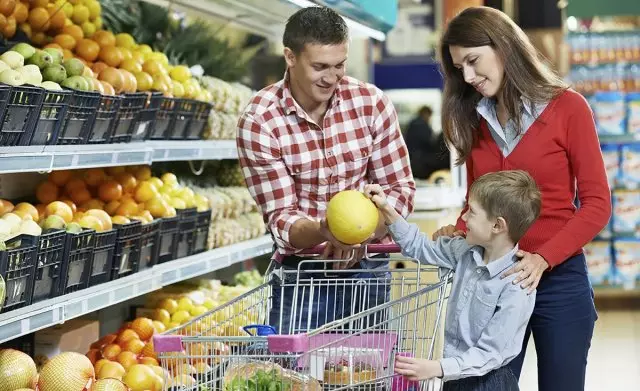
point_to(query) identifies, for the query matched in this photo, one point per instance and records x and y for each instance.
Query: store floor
(614, 357)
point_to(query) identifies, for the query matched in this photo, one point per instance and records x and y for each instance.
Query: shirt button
(329, 153)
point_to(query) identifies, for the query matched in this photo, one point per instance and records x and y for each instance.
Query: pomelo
(351, 217)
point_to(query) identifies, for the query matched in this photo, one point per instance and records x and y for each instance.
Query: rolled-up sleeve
(268, 179)
(501, 340)
(389, 165)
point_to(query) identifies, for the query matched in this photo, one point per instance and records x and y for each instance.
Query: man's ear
(500, 225)
(290, 57)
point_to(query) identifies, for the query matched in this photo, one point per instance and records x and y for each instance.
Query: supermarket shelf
(59, 157)
(55, 311)
(434, 198)
(610, 292)
(619, 139)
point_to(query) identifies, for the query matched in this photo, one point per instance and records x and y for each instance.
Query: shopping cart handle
(376, 248)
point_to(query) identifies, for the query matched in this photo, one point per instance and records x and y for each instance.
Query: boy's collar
(495, 267)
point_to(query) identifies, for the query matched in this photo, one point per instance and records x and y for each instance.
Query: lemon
(94, 8)
(180, 317)
(198, 310)
(180, 73)
(185, 304)
(351, 217)
(80, 14)
(88, 29)
(144, 49)
(125, 40)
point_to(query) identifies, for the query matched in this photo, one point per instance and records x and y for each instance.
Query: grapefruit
(351, 217)
(109, 385)
(68, 371)
(17, 370)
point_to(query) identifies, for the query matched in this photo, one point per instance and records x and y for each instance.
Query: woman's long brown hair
(526, 75)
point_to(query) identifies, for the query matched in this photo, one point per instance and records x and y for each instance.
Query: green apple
(76, 83)
(31, 74)
(73, 66)
(11, 77)
(54, 73)
(42, 59)
(54, 222)
(24, 49)
(56, 54)
(51, 86)
(13, 59)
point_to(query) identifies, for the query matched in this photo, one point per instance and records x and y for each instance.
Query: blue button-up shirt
(486, 315)
(508, 137)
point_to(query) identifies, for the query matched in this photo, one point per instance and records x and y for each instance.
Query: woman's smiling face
(480, 67)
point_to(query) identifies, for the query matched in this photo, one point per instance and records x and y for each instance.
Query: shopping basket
(357, 351)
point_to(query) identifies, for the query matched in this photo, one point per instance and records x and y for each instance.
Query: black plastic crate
(182, 118)
(169, 230)
(147, 117)
(127, 117)
(201, 112)
(126, 258)
(203, 223)
(187, 232)
(149, 244)
(79, 248)
(103, 254)
(53, 113)
(17, 269)
(164, 119)
(49, 265)
(19, 111)
(105, 119)
(81, 115)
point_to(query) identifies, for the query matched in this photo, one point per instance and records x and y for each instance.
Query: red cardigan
(561, 151)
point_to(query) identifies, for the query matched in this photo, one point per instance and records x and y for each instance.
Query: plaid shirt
(293, 166)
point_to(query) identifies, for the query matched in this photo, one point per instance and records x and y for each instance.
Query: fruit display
(230, 99)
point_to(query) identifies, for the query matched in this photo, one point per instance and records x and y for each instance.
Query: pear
(76, 83)
(56, 54)
(13, 59)
(73, 66)
(31, 74)
(4, 66)
(54, 222)
(54, 73)
(24, 49)
(74, 228)
(42, 59)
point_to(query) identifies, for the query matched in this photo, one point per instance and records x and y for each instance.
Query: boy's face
(479, 226)
(318, 69)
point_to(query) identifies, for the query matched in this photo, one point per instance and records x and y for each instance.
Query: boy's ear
(500, 225)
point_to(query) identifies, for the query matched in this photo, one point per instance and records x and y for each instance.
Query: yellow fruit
(352, 218)
(180, 73)
(66, 371)
(180, 317)
(140, 378)
(125, 40)
(185, 304)
(152, 67)
(162, 315)
(209, 303)
(98, 22)
(145, 81)
(198, 310)
(88, 29)
(109, 384)
(111, 369)
(94, 8)
(170, 305)
(178, 203)
(131, 65)
(160, 58)
(80, 14)
(178, 90)
(17, 369)
(145, 192)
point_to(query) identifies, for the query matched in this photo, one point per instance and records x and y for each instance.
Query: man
(306, 138)
(428, 154)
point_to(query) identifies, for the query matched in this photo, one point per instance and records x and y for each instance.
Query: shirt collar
(497, 266)
(291, 106)
(486, 106)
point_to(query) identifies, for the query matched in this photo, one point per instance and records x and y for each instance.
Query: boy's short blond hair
(512, 195)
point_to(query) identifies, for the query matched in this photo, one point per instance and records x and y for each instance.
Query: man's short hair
(314, 25)
(425, 110)
(512, 195)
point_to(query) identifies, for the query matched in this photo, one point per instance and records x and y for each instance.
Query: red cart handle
(375, 248)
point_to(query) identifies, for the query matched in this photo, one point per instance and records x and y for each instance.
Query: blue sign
(377, 14)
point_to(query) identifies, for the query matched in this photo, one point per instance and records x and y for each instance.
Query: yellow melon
(17, 370)
(351, 217)
(67, 371)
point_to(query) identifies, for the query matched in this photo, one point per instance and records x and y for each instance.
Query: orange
(110, 55)
(3, 21)
(7, 7)
(61, 177)
(112, 207)
(110, 191)
(104, 38)
(127, 359)
(128, 208)
(145, 81)
(94, 176)
(128, 182)
(131, 65)
(65, 41)
(80, 196)
(92, 204)
(9, 30)
(75, 31)
(39, 3)
(53, 45)
(143, 327)
(113, 77)
(101, 215)
(39, 19)
(111, 351)
(21, 12)
(143, 173)
(56, 17)
(67, 54)
(74, 184)
(153, 68)
(108, 88)
(87, 49)
(73, 206)
(133, 345)
(98, 67)
(47, 192)
(115, 171)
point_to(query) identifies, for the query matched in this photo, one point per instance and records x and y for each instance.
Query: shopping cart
(329, 343)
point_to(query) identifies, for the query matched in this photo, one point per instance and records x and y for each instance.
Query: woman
(503, 108)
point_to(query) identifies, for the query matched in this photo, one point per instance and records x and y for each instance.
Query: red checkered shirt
(293, 167)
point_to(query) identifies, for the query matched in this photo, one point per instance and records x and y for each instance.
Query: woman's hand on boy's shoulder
(530, 268)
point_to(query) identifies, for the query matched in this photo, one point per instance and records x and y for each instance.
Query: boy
(486, 315)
